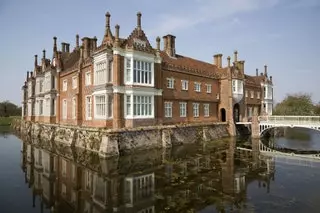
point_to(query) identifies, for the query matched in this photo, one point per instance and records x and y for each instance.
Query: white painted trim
(102, 92)
(86, 109)
(137, 90)
(131, 116)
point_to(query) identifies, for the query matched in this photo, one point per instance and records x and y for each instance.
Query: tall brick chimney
(139, 20)
(35, 61)
(67, 46)
(218, 60)
(77, 41)
(266, 70)
(86, 47)
(158, 43)
(169, 45)
(54, 45)
(257, 72)
(117, 27)
(63, 47)
(235, 56)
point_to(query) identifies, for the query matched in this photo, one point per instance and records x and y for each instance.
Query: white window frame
(246, 93)
(64, 109)
(41, 108)
(108, 106)
(206, 110)
(209, 88)
(184, 84)
(65, 85)
(168, 109)
(132, 57)
(197, 86)
(196, 110)
(74, 108)
(134, 105)
(100, 72)
(170, 83)
(258, 95)
(88, 80)
(251, 94)
(237, 86)
(74, 82)
(89, 107)
(183, 109)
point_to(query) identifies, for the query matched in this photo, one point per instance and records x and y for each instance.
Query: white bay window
(100, 73)
(103, 106)
(139, 106)
(139, 72)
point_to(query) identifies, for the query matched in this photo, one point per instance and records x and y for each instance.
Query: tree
(296, 104)
(317, 109)
(9, 109)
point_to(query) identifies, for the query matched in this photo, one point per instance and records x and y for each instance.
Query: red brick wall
(68, 95)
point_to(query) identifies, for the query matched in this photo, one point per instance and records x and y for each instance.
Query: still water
(220, 176)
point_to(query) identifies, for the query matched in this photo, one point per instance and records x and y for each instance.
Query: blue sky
(284, 34)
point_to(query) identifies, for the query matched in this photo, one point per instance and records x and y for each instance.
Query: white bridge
(268, 122)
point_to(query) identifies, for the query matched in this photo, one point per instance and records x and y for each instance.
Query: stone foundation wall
(113, 142)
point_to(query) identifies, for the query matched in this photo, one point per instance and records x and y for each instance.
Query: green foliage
(9, 109)
(317, 109)
(296, 104)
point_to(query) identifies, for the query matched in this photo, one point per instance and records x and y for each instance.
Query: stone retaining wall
(113, 142)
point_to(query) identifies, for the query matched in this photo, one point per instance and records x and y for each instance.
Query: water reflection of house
(67, 180)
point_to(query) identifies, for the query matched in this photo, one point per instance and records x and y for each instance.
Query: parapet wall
(112, 142)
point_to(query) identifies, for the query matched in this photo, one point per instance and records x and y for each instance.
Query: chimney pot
(271, 78)
(228, 58)
(35, 60)
(44, 54)
(67, 45)
(27, 75)
(54, 44)
(31, 74)
(139, 20)
(257, 71)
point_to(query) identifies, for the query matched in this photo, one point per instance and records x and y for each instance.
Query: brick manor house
(125, 82)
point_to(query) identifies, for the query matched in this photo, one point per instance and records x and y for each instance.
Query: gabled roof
(189, 65)
(131, 41)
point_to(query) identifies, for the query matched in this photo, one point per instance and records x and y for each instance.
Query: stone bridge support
(255, 128)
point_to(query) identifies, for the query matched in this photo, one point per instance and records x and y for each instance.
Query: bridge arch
(263, 128)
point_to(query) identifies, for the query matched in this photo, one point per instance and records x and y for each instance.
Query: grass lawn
(6, 121)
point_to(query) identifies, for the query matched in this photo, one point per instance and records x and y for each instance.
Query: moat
(226, 175)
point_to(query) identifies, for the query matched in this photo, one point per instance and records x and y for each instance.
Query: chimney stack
(265, 70)
(218, 60)
(67, 46)
(27, 75)
(169, 44)
(86, 47)
(54, 44)
(158, 43)
(139, 20)
(117, 27)
(95, 43)
(108, 20)
(43, 54)
(35, 61)
(77, 41)
(229, 59)
(31, 74)
(257, 72)
(270, 78)
(215, 59)
(235, 56)
(63, 47)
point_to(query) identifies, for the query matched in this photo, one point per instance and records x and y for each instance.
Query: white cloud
(203, 11)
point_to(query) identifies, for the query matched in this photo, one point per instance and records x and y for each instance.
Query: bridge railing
(297, 120)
